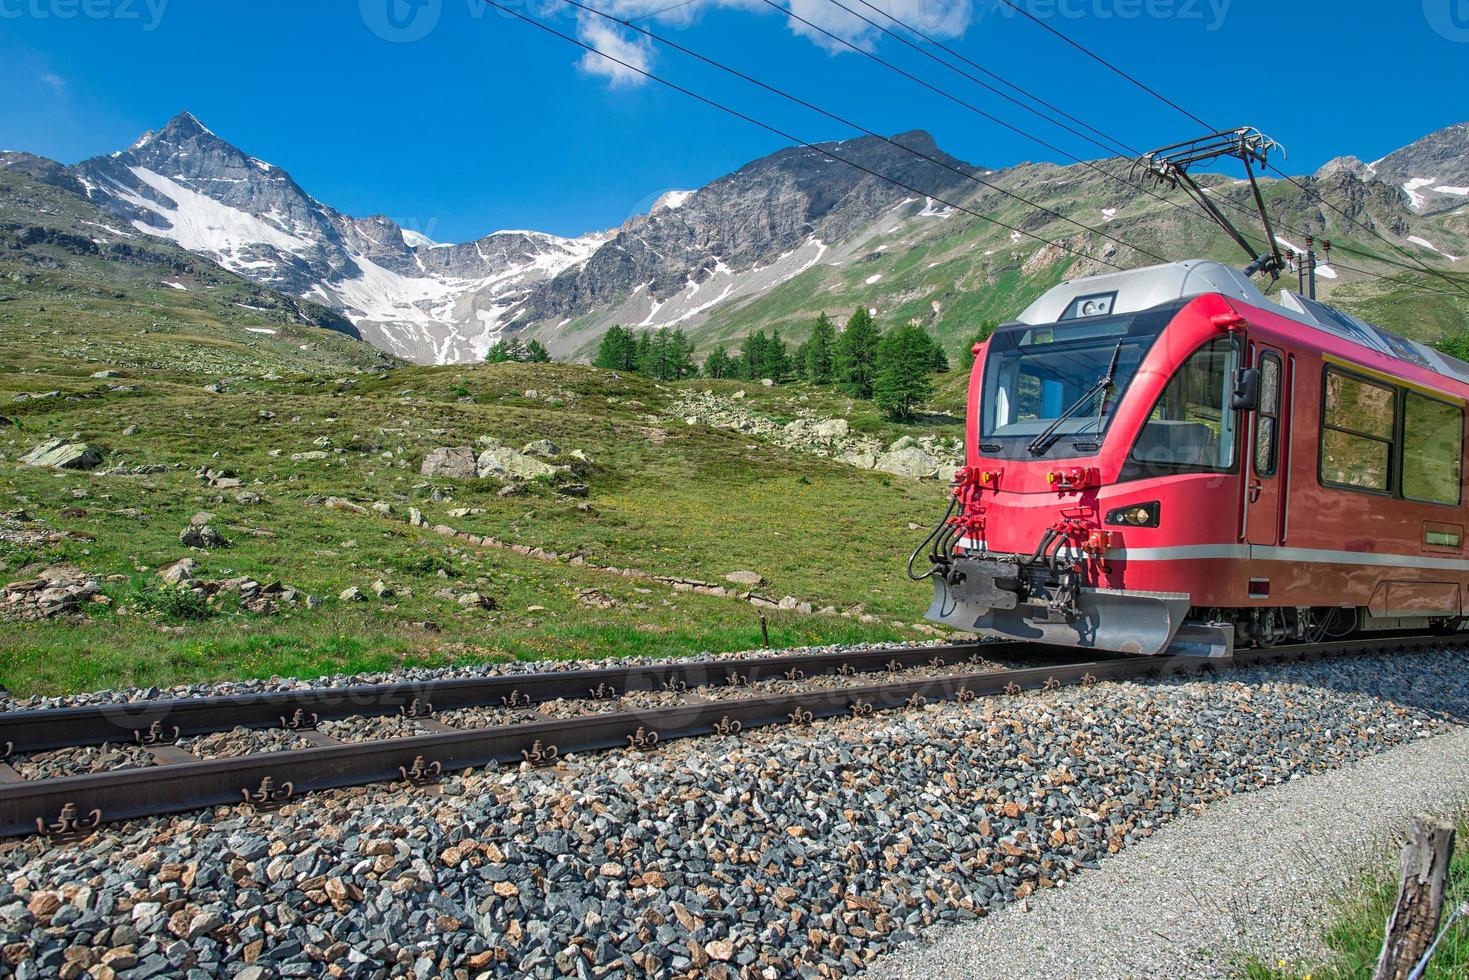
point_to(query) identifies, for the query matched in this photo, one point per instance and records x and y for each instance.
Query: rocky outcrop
(455, 463)
(64, 454)
(55, 592)
(923, 458)
(1433, 172)
(505, 464)
(499, 462)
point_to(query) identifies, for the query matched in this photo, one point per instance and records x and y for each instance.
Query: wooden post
(764, 631)
(1415, 918)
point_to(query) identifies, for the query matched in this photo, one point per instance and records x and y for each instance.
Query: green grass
(1354, 934)
(665, 497)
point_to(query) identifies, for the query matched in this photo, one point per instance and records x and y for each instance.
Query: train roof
(1135, 290)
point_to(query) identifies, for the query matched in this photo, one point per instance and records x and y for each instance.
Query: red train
(1163, 460)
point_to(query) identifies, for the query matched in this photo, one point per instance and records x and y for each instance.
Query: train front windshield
(1045, 392)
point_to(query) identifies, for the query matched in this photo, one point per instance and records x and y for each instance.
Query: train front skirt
(1138, 623)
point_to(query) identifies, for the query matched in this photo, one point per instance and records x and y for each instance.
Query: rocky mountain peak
(1433, 171)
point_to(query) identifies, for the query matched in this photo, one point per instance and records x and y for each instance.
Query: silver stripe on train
(1195, 552)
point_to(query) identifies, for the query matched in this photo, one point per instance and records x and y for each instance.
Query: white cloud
(937, 18)
(57, 83)
(633, 50)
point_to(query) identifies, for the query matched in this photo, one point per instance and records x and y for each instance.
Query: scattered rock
(910, 461)
(476, 600)
(202, 536)
(55, 591)
(456, 463)
(596, 599)
(353, 594)
(747, 579)
(345, 506)
(179, 572)
(505, 464)
(64, 454)
(543, 448)
(106, 374)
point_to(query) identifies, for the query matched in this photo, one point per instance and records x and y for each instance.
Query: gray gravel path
(1250, 876)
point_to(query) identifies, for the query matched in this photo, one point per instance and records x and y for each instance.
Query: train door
(1265, 469)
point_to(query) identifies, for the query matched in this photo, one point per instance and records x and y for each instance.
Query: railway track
(708, 697)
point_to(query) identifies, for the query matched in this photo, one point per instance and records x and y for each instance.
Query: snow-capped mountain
(417, 298)
(771, 245)
(1433, 171)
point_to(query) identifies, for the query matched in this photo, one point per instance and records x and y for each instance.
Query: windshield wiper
(1043, 441)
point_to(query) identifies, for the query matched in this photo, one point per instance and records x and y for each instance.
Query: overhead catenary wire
(1167, 101)
(825, 151)
(859, 127)
(1416, 266)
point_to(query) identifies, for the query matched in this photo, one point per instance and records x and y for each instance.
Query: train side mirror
(1246, 397)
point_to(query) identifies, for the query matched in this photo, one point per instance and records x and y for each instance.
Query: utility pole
(1311, 266)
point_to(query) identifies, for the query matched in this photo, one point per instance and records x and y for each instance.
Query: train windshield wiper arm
(1048, 435)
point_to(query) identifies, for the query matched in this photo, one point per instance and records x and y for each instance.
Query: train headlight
(1135, 515)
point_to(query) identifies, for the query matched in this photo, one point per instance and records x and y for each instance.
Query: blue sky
(457, 121)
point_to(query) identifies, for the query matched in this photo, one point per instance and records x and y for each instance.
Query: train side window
(1267, 418)
(1358, 419)
(1433, 449)
(1192, 427)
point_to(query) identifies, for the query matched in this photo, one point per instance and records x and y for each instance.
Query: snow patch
(1456, 191)
(414, 239)
(108, 228)
(1109, 213)
(202, 224)
(264, 330)
(1411, 188)
(873, 279)
(932, 209)
(1432, 247)
(175, 285)
(671, 201)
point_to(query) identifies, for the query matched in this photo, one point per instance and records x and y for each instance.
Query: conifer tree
(856, 355)
(902, 379)
(819, 352)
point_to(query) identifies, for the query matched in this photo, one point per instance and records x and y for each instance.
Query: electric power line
(859, 127)
(1182, 208)
(782, 133)
(1167, 101)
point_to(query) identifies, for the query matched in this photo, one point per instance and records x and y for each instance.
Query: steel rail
(37, 730)
(70, 807)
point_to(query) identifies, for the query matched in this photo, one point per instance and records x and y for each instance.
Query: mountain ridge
(772, 243)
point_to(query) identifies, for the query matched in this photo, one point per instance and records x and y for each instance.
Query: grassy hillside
(950, 272)
(80, 294)
(662, 496)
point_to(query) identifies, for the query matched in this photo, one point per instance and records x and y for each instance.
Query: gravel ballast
(1254, 876)
(784, 852)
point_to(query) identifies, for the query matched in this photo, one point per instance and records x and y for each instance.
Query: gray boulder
(910, 461)
(832, 430)
(747, 579)
(201, 536)
(179, 572)
(455, 462)
(544, 448)
(65, 455)
(505, 464)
